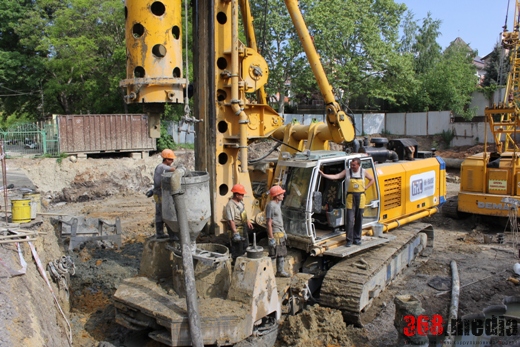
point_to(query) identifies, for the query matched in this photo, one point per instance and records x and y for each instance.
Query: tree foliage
(281, 48)
(88, 58)
(452, 81)
(496, 68)
(21, 71)
(68, 56)
(445, 80)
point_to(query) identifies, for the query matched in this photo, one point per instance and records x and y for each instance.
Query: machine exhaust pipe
(187, 258)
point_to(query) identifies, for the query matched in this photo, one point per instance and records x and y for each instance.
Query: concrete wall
(479, 101)
(470, 133)
(373, 123)
(358, 123)
(410, 124)
(395, 123)
(437, 121)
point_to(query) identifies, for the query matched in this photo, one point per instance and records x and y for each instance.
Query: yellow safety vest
(356, 185)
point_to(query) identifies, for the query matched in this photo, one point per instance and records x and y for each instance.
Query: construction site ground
(108, 188)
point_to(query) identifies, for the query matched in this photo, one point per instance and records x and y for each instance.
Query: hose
(454, 306)
(265, 156)
(59, 269)
(392, 155)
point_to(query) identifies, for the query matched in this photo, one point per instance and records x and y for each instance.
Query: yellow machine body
(483, 188)
(154, 52)
(409, 188)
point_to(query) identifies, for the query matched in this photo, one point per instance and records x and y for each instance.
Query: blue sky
(478, 22)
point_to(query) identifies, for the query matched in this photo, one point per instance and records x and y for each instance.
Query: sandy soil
(110, 188)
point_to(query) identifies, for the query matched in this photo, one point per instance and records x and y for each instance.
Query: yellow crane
(490, 178)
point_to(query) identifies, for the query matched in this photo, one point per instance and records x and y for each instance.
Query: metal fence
(30, 140)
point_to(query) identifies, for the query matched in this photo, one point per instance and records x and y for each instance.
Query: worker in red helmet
(275, 230)
(237, 221)
(166, 166)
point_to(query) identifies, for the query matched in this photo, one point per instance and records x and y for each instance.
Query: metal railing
(30, 140)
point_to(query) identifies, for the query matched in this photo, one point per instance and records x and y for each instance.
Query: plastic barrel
(36, 203)
(21, 210)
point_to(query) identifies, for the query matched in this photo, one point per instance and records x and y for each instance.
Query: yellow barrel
(36, 203)
(21, 210)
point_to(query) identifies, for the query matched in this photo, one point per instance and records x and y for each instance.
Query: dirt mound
(317, 326)
(91, 179)
(261, 148)
(29, 315)
(463, 151)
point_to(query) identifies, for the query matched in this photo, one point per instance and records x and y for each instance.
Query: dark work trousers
(239, 248)
(354, 219)
(159, 223)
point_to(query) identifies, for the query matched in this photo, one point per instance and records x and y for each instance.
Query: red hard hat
(275, 191)
(239, 189)
(167, 154)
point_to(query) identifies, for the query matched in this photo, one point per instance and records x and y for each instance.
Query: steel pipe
(187, 259)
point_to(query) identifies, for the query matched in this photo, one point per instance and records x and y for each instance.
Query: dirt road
(110, 188)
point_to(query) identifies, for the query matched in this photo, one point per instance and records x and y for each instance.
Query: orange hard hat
(239, 189)
(275, 191)
(168, 154)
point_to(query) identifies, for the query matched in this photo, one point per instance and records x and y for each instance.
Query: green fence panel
(30, 140)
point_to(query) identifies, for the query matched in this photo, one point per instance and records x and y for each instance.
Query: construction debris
(20, 272)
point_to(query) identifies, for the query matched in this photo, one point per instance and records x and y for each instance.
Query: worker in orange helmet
(275, 230)
(237, 221)
(166, 166)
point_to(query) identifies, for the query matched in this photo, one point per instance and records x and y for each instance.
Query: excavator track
(353, 283)
(450, 208)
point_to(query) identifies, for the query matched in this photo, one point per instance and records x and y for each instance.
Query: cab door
(372, 195)
(333, 193)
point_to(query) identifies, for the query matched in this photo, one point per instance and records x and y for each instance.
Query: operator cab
(314, 206)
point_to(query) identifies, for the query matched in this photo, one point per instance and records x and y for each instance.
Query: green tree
(359, 48)
(426, 49)
(281, 48)
(166, 140)
(88, 57)
(421, 43)
(497, 67)
(446, 79)
(21, 71)
(410, 30)
(452, 81)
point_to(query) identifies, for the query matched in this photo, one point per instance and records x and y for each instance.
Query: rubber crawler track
(353, 283)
